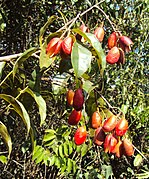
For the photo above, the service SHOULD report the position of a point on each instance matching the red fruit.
(121, 127)
(54, 46)
(118, 149)
(110, 123)
(69, 97)
(67, 45)
(122, 57)
(110, 143)
(99, 33)
(80, 136)
(78, 99)
(113, 55)
(126, 43)
(84, 29)
(128, 148)
(112, 40)
(74, 117)
(96, 120)
(99, 136)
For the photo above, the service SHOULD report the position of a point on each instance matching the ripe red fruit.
(69, 97)
(110, 143)
(118, 149)
(121, 127)
(113, 55)
(96, 120)
(54, 46)
(110, 123)
(84, 29)
(128, 148)
(122, 57)
(99, 33)
(67, 45)
(112, 40)
(125, 43)
(99, 136)
(74, 117)
(78, 99)
(80, 135)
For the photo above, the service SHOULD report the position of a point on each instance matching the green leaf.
(19, 108)
(22, 58)
(2, 64)
(43, 29)
(138, 160)
(66, 149)
(37, 152)
(101, 60)
(48, 137)
(69, 165)
(3, 159)
(61, 151)
(88, 86)
(84, 149)
(6, 137)
(80, 59)
(41, 104)
(45, 61)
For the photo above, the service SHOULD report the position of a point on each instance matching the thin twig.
(107, 17)
(140, 153)
(80, 15)
(8, 58)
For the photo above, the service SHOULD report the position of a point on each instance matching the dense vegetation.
(34, 112)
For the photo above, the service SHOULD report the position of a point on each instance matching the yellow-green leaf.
(43, 29)
(6, 137)
(41, 104)
(22, 58)
(19, 108)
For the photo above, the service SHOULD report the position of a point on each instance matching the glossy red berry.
(99, 33)
(113, 55)
(96, 120)
(99, 136)
(80, 135)
(54, 46)
(74, 117)
(110, 123)
(69, 97)
(121, 127)
(112, 40)
(78, 99)
(67, 45)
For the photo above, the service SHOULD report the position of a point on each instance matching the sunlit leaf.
(45, 61)
(88, 86)
(101, 60)
(6, 137)
(43, 29)
(2, 64)
(41, 104)
(138, 160)
(80, 58)
(22, 58)
(3, 159)
(84, 149)
(69, 165)
(19, 108)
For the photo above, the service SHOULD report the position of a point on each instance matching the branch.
(8, 58)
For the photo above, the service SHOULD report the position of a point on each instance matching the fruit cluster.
(112, 141)
(57, 45)
(109, 133)
(117, 45)
(76, 99)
